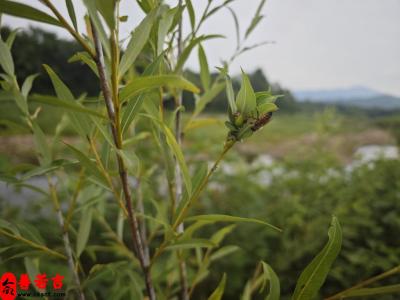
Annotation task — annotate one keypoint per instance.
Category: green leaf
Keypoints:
(6, 60)
(85, 58)
(186, 52)
(270, 276)
(246, 99)
(71, 12)
(230, 95)
(179, 157)
(204, 70)
(191, 13)
(256, 19)
(362, 292)
(92, 11)
(314, 275)
(199, 123)
(73, 106)
(79, 121)
(137, 42)
(41, 144)
(219, 291)
(27, 85)
(164, 27)
(189, 244)
(207, 97)
(11, 38)
(62, 91)
(237, 28)
(84, 231)
(266, 108)
(224, 251)
(131, 110)
(32, 268)
(141, 84)
(219, 236)
(226, 218)
(27, 12)
(88, 164)
(106, 9)
(266, 97)
(44, 169)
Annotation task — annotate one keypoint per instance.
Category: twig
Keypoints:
(193, 199)
(178, 173)
(117, 137)
(364, 283)
(32, 244)
(65, 235)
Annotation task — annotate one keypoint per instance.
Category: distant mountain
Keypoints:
(357, 96)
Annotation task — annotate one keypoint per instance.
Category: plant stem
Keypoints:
(193, 198)
(178, 173)
(65, 235)
(366, 282)
(68, 27)
(117, 137)
(32, 244)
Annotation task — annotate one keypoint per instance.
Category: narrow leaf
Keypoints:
(6, 60)
(71, 12)
(191, 13)
(226, 218)
(246, 98)
(190, 243)
(204, 70)
(186, 52)
(27, 12)
(207, 97)
(27, 85)
(142, 84)
(84, 231)
(362, 292)
(138, 40)
(219, 291)
(314, 275)
(274, 286)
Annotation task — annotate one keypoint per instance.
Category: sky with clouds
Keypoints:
(317, 44)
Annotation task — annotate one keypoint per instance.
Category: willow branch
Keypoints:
(117, 137)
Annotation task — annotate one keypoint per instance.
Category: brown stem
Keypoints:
(364, 283)
(117, 137)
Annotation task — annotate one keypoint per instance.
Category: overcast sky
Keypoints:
(319, 44)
